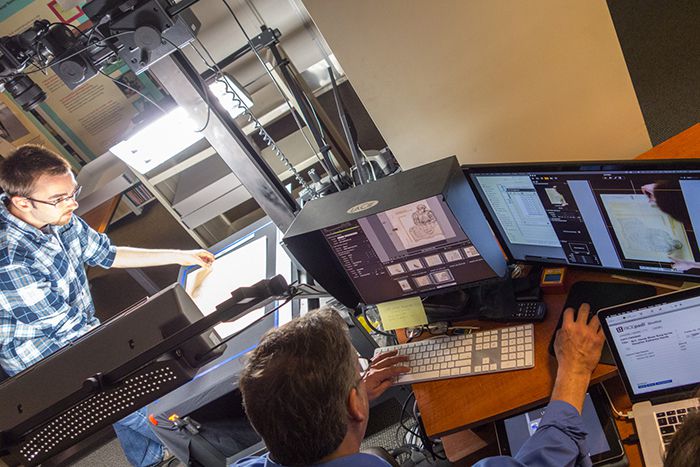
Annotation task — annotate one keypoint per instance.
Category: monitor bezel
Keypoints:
(573, 166)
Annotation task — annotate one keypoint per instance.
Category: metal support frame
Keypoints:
(186, 86)
(265, 39)
(269, 39)
(300, 91)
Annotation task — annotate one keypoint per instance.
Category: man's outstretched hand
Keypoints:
(577, 346)
(201, 258)
(383, 371)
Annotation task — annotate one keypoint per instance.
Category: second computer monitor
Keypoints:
(631, 216)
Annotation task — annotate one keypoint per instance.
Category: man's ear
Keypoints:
(21, 203)
(356, 406)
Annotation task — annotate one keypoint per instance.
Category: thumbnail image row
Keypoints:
(434, 278)
(417, 264)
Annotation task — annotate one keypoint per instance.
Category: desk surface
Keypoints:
(684, 145)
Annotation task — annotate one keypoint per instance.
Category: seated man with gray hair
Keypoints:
(305, 393)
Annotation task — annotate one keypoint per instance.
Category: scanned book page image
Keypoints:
(415, 224)
(644, 231)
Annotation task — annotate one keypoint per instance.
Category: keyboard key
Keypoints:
(665, 430)
(660, 414)
(661, 421)
(672, 420)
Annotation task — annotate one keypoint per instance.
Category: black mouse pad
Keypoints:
(601, 295)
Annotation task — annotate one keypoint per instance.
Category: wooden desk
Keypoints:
(684, 145)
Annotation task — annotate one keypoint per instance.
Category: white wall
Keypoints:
(488, 80)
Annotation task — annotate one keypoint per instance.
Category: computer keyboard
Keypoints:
(669, 420)
(504, 349)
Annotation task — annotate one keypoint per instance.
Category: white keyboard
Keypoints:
(504, 349)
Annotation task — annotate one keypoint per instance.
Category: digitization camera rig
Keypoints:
(140, 32)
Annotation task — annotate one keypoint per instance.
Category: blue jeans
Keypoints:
(141, 446)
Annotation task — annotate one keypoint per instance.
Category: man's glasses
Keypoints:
(60, 200)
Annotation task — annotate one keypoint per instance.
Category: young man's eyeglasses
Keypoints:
(61, 200)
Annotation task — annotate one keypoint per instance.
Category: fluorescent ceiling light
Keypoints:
(159, 141)
(226, 99)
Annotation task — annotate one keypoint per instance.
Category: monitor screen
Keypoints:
(414, 249)
(624, 216)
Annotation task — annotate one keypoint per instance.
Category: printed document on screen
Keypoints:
(659, 346)
(519, 210)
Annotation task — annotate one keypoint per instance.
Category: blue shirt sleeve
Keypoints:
(559, 441)
(97, 250)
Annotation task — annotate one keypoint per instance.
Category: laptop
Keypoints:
(656, 345)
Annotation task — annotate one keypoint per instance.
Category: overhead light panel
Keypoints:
(159, 141)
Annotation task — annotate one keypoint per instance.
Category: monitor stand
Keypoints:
(601, 295)
(493, 300)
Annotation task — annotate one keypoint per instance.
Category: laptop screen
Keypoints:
(658, 345)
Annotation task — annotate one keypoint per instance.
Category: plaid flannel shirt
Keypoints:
(45, 300)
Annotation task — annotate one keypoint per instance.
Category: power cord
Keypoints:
(617, 413)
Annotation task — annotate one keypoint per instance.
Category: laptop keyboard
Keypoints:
(669, 421)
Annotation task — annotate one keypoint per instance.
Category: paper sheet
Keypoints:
(404, 313)
(241, 267)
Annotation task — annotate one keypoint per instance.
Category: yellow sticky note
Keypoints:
(404, 313)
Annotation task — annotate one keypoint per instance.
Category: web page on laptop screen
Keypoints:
(660, 345)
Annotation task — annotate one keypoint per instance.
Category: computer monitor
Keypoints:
(631, 216)
(419, 232)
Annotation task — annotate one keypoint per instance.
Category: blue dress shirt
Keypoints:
(355, 460)
(560, 441)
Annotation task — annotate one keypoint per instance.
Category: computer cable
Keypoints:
(124, 85)
(617, 413)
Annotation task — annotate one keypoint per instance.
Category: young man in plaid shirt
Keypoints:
(45, 300)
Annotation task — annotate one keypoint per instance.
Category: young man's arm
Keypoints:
(128, 257)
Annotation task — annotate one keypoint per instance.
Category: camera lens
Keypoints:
(25, 91)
